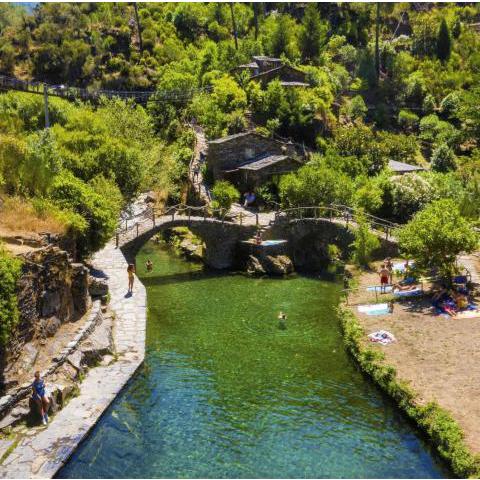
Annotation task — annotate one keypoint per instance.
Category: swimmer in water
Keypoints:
(282, 317)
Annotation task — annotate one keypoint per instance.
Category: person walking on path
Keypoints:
(39, 396)
(196, 172)
(131, 276)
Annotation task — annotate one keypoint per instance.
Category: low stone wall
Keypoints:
(43, 454)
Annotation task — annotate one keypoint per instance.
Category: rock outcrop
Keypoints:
(269, 265)
(52, 290)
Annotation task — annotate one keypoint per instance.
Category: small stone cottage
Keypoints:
(264, 69)
(249, 159)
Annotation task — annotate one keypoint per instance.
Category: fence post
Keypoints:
(137, 228)
(153, 217)
(204, 214)
(189, 213)
(126, 224)
(256, 219)
(173, 214)
(241, 218)
(116, 240)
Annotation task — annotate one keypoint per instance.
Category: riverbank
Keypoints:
(429, 371)
(42, 453)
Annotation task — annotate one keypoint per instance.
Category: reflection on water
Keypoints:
(225, 393)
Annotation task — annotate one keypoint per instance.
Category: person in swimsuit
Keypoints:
(389, 266)
(384, 278)
(39, 396)
(131, 276)
(149, 265)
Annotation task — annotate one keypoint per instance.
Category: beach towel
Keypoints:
(375, 309)
(382, 336)
(408, 293)
(467, 314)
(378, 288)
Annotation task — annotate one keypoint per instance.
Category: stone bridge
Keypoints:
(308, 236)
(220, 237)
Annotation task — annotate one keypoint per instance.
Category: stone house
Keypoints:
(249, 159)
(265, 69)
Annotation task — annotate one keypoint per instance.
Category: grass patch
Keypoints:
(10, 449)
(444, 432)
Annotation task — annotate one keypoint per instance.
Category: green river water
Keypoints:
(225, 393)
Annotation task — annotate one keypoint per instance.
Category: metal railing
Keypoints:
(335, 212)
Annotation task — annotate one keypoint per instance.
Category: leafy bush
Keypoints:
(443, 158)
(224, 195)
(365, 242)
(10, 269)
(99, 212)
(408, 120)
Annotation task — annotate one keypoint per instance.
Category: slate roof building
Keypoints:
(265, 69)
(400, 168)
(249, 159)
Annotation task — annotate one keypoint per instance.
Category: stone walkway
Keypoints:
(43, 453)
(201, 147)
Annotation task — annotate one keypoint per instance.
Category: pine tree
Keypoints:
(444, 42)
(311, 34)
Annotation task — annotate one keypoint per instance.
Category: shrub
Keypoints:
(365, 241)
(99, 212)
(443, 158)
(224, 194)
(10, 269)
(408, 120)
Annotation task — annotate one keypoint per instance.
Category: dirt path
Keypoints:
(437, 355)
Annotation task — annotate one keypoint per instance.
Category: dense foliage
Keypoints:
(10, 268)
(436, 235)
(418, 105)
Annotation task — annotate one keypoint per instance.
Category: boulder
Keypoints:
(254, 267)
(98, 287)
(278, 265)
(75, 360)
(50, 326)
(80, 288)
(98, 344)
(50, 302)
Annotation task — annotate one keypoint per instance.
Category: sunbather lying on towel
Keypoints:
(398, 287)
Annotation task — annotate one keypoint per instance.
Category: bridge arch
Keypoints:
(220, 238)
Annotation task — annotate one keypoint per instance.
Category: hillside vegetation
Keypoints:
(412, 96)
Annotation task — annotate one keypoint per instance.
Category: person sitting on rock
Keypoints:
(39, 396)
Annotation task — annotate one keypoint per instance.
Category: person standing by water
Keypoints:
(389, 265)
(131, 276)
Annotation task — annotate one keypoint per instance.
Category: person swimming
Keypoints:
(282, 318)
(149, 265)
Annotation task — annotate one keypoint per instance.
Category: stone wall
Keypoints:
(230, 152)
(308, 242)
(52, 290)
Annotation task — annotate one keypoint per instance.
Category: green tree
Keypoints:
(436, 236)
(312, 33)
(444, 42)
(365, 242)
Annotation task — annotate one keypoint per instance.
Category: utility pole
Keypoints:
(45, 98)
(234, 26)
(377, 50)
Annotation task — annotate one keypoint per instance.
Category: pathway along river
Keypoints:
(225, 393)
